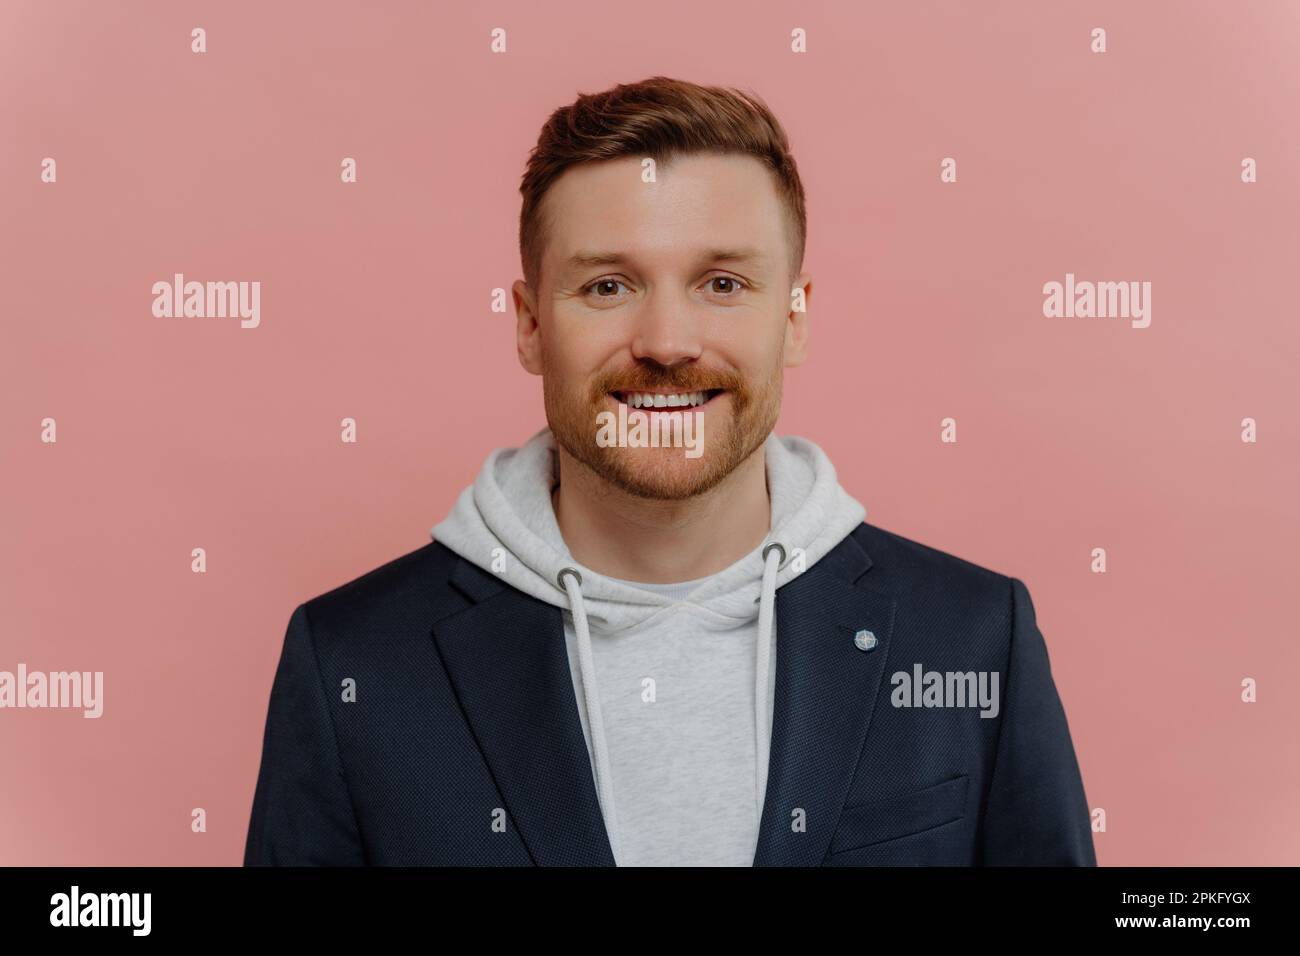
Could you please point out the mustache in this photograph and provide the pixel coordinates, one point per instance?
(677, 379)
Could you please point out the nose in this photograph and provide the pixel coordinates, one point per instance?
(666, 332)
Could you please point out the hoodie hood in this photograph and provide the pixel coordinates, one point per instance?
(505, 524)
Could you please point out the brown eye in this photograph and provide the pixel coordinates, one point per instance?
(604, 288)
(733, 284)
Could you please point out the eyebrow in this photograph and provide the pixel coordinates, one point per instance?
(584, 260)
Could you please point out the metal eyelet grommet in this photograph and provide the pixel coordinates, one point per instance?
(563, 571)
(774, 544)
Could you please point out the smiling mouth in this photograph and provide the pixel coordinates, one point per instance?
(656, 401)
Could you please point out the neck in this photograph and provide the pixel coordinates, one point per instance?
(661, 542)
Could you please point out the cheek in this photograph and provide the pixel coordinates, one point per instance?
(755, 352)
(568, 371)
(576, 352)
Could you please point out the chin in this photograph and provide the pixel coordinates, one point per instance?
(659, 473)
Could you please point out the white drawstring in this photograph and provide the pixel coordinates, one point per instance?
(571, 581)
(762, 733)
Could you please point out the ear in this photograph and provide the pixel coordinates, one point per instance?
(528, 340)
(796, 326)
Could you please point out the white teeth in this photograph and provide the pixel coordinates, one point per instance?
(649, 400)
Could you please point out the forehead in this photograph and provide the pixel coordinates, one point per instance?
(698, 201)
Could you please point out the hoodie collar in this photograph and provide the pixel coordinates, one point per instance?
(505, 523)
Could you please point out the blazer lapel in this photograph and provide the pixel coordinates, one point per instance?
(506, 658)
(507, 661)
(825, 694)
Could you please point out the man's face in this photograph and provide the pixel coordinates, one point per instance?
(671, 287)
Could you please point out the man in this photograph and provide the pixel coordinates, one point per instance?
(687, 652)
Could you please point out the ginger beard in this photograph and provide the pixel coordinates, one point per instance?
(736, 422)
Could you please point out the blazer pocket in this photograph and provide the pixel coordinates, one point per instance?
(900, 815)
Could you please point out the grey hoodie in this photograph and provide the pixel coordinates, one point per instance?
(505, 524)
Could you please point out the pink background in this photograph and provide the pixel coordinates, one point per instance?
(1073, 433)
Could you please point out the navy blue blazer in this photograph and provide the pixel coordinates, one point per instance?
(420, 702)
